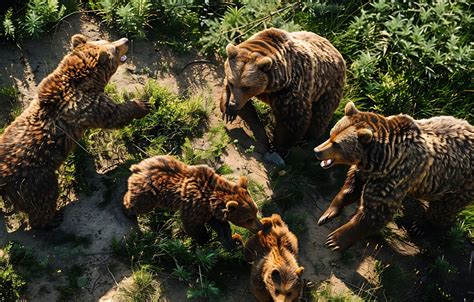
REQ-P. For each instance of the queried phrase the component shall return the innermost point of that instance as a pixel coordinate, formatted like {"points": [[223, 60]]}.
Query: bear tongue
{"points": [[326, 163], [123, 58]]}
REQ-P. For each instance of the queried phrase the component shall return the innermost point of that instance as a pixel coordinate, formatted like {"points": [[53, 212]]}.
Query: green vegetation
{"points": [[324, 293], [402, 56], [11, 283], [142, 286], [31, 18], [163, 246]]}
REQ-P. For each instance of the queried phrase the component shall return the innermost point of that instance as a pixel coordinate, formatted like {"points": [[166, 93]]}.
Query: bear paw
{"points": [[348, 234], [328, 215], [144, 107], [274, 158]]}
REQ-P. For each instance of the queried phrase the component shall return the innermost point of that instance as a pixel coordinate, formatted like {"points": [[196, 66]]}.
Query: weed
{"points": [[396, 282], [75, 283], [31, 19], [409, 57], [216, 140], [224, 170], [325, 294], [466, 221], [142, 286], [239, 23], [167, 126], [11, 283]]}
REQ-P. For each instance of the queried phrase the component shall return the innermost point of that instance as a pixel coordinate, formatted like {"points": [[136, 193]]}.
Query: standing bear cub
{"points": [[273, 253], [202, 196], [69, 101], [396, 157], [300, 75]]}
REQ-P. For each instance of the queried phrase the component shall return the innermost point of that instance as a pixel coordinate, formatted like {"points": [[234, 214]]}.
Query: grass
{"points": [[325, 293], [141, 286]]}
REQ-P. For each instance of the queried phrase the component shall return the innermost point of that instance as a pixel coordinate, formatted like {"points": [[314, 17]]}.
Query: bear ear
{"points": [[264, 63], [104, 57], [231, 51], [231, 205], [364, 135], [350, 109], [243, 182], [276, 276], [78, 40], [299, 271], [267, 226]]}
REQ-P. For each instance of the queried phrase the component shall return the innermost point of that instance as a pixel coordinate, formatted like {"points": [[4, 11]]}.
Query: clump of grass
{"points": [[466, 221], [75, 283], [325, 293], [163, 247], [11, 282], [170, 122], [216, 140], [441, 276], [396, 283], [142, 286]]}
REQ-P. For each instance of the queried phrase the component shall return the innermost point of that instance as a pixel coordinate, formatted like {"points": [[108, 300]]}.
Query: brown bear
{"points": [[273, 253], [300, 75], [202, 197], [396, 157], [69, 101]]}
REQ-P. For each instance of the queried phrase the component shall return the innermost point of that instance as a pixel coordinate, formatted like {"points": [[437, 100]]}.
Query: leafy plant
{"points": [[410, 57], [239, 23], [11, 283]]}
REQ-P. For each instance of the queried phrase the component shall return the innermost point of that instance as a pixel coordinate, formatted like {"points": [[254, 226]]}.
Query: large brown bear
{"points": [[300, 75], [396, 157], [273, 253], [70, 100], [202, 197]]}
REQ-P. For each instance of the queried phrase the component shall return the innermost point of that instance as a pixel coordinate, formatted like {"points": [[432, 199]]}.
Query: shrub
{"points": [[239, 22], [410, 57], [129, 17], [11, 283], [31, 19]]}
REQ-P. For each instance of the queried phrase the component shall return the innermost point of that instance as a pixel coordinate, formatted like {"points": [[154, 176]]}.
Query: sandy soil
{"points": [[87, 217]]}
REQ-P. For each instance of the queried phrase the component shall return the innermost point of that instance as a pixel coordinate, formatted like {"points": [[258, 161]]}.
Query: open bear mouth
{"points": [[123, 58], [327, 163]]}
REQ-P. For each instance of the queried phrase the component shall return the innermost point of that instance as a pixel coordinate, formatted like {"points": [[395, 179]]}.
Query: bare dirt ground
{"points": [[86, 218]]}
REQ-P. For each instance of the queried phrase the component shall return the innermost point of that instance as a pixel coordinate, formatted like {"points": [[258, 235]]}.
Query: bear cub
{"points": [[273, 253], [201, 195]]}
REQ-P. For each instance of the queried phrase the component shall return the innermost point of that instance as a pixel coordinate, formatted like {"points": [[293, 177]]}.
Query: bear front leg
{"points": [[105, 113], [380, 200], [292, 119], [350, 192], [224, 233], [195, 226]]}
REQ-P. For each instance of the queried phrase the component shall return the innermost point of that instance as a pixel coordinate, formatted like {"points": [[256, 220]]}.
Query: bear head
{"points": [[93, 61], [246, 76], [365, 139], [240, 209], [347, 141], [282, 276]]}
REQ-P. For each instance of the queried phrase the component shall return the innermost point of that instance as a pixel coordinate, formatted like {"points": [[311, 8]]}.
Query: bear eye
{"points": [[288, 294], [245, 88], [277, 291]]}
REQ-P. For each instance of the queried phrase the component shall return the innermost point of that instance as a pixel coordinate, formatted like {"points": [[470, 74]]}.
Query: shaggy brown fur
{"points": [[273, 252], [300, 75], [396, 157], [69, 101], [201, 195]]}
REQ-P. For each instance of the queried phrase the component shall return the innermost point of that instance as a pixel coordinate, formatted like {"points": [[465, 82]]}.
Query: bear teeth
{"points": [[123, 58], [326, 163]]}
